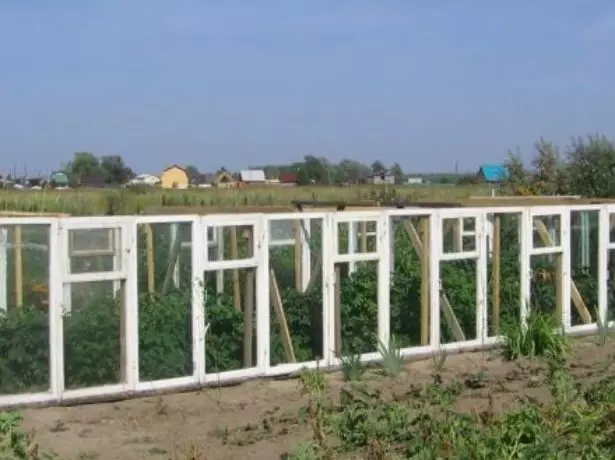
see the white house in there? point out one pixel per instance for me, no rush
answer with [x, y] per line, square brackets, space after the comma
[252, 176]
[145, 179]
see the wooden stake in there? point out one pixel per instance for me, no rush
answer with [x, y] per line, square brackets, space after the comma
[298, 255]
[18, 247]
[123, 334]
[173, 259]
[235, 256]
[496, 275]
[278, 308]
[151, 262]
[248, 313]
[338, 311]
[424, 256]
[363, 230]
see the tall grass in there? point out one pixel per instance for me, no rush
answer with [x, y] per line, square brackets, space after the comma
[134, 201]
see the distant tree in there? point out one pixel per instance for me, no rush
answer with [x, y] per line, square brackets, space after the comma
[398, 173]
[115, 171]
[466, 179]
[193, 172]
[378, 167]
[316, 169]
[355, 171]
[302, 176]
[590, 167]
[83, 167]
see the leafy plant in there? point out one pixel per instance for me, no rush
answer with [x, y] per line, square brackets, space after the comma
[14, 443]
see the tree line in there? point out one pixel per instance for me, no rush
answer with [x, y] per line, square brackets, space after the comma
[585, 167]
[87, 169]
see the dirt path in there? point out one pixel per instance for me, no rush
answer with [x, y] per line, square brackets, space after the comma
[259, 419]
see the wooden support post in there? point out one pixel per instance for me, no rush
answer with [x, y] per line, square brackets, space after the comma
[306, 253]
[457, 225]
[173, 259]
[4, 244]
[424, 256]
[248, 313]
[175, 236]
[278, 308]
[18, 248]
[151, 262]
[219, 256]
[298, 256]
[577, 299]
[338, 311]
[445, 305]
[353, 238]
[496, 274]
[235, 256]
[363, 227]
[123, 333]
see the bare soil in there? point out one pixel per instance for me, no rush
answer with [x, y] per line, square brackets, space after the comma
[260, 419]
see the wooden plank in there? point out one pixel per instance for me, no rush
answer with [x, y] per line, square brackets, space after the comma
[338, 311]
[235, 276]
[248, 314]
[496, 275]
[173, 258]
[278, 308]
[445, 305]
[298, 255]
[151, 262]
[124, 332]
[425, 281]
[18, 262]
[577, 299]
[363, 241]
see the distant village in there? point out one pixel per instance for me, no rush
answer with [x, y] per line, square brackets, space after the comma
[178, 177]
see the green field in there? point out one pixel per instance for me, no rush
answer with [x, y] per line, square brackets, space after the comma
[127, 201]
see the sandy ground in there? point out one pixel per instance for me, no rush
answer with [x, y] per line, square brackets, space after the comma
[260, 419]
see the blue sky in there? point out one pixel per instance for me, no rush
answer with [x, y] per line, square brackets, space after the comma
[212, 83]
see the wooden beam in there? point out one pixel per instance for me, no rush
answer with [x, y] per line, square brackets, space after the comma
[496, 274]
[298, 255]
[151, 262]
[18, 262]
[173, 259]
[363, 240]
[235, 256]
[338, 311]
[425, 281]
[248, 313]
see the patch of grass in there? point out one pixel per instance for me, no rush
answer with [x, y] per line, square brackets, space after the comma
[540, 338]
[352, 368]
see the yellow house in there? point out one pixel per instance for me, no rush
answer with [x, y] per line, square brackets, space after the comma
[175, 177]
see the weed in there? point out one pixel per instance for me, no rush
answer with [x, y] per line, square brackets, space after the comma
[14, 443]
[314, 385]
[392, 359]
[352, 368]
[605, 331]
[540, 338]
[439, 360]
